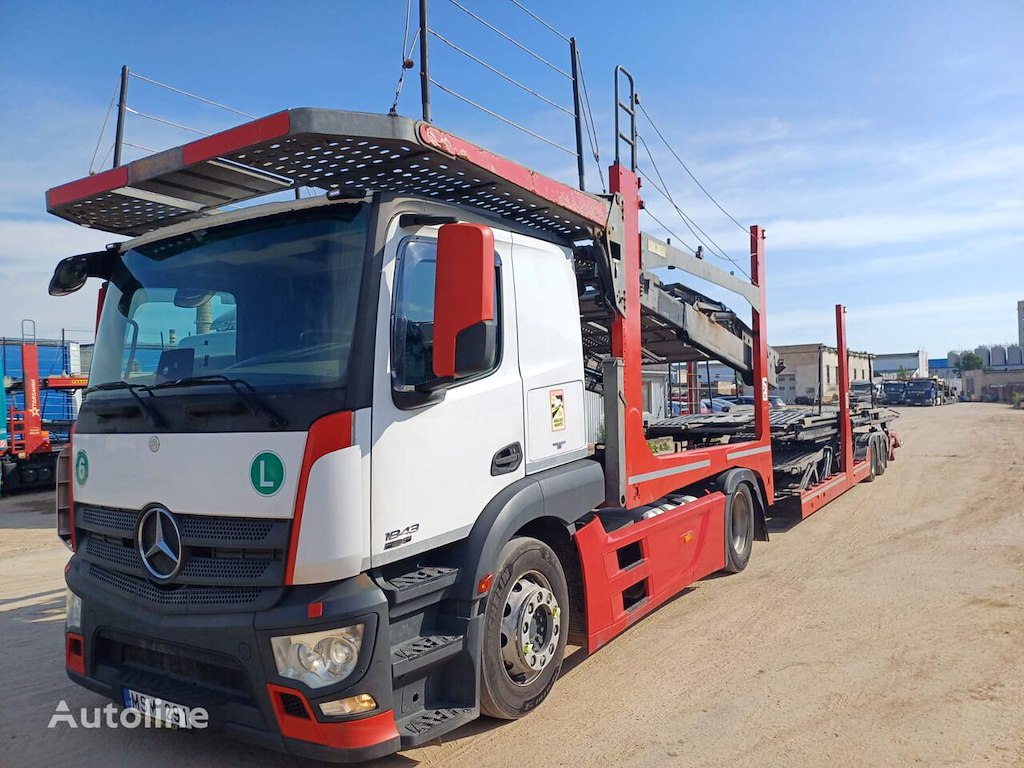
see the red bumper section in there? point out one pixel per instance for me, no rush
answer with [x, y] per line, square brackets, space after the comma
[296, 720]
[74, 653]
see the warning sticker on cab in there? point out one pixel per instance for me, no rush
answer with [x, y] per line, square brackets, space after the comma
[557, 410]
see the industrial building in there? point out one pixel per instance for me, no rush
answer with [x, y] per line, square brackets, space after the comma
[912, 365]
[811, 369]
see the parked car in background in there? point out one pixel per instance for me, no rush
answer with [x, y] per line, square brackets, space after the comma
[716, 405]
[776, 402]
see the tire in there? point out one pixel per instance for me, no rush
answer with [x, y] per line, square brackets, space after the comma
[882, 455]
[739, 528]
[529, 584]
[873, 466]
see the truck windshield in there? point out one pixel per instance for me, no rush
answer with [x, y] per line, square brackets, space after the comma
[894, 387]
[270, 302]
[920, 385]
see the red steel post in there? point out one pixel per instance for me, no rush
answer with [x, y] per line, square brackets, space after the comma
[845, 432]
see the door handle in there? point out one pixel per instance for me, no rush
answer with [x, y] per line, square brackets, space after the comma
[507, 460]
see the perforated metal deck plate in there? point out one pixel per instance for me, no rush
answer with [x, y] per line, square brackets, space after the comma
[324, 149]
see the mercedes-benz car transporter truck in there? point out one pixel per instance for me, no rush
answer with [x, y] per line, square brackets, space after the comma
[332, 484]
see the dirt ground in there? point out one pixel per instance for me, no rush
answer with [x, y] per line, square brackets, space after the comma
[885, 630]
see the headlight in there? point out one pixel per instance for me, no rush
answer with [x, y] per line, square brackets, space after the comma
[74, 606]
[318, 658]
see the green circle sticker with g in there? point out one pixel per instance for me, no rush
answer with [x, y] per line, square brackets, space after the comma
[81, 467]
[266, 473]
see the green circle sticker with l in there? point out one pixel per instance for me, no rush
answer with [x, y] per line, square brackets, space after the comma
[81, 467]
[266, 473]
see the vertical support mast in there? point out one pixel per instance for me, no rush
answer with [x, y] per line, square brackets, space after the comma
[845, 434]
[577, 111]
[122, 110]
[760, 340]
[424, 63]
[626, 342]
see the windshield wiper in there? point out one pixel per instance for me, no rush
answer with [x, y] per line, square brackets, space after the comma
[243, 389]
[153, 417]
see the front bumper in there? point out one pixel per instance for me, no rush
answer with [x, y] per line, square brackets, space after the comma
[223, 663]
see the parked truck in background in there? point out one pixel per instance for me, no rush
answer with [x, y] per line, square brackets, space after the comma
[928, 391]
[893, 392]
[367, 511]
[863, 392]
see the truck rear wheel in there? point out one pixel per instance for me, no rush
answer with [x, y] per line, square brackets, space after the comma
[739, 528]
[526, 623]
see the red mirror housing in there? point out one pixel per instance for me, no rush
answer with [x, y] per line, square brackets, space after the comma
[463, 296]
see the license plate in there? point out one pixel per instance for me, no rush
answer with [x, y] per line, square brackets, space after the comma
[167, 712]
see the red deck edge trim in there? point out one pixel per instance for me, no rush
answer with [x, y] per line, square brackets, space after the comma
[553, 191]
[353, 734]
[327, 434]
[264, 129]
[87, 187]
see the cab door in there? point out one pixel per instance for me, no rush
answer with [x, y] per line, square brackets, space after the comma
[436, 461]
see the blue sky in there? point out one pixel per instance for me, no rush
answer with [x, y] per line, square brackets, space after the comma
[880, 144]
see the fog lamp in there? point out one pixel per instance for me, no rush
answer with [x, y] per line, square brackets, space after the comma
[364, 702]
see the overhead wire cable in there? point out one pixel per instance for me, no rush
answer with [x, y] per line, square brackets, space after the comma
[537, 18]
[191, 95]
[692, 225]
[514, 42]
[405, 57]
[139, 146]
[713, 248]
[663, 189]
[501, 74]
[494, 114]
[595, 144]
[688, 171]
[171, 123]
[109, 151]
[99, 139]
[665, 227]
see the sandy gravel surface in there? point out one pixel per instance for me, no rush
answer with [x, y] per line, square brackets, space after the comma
[886, 630]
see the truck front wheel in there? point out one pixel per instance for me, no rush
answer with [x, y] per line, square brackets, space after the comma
[526, 623]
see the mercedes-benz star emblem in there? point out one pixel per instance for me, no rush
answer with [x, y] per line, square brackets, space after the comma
[154, 443]
[159, 542]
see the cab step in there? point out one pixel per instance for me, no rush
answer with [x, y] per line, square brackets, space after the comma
[428, 724]
[422, 581]
[422, 652]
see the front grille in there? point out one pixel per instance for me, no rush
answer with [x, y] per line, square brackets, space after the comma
[227, 529]
[185, 595]
[195, 569]
[95, 518]
[209, 670]
[225, 560]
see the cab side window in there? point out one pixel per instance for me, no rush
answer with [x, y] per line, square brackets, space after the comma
[412, 334]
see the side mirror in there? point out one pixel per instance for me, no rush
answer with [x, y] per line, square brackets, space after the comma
[72, 272]
[464, 329]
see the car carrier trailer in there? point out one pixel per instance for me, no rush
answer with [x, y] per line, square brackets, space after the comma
[29, 443]
[370, 512]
